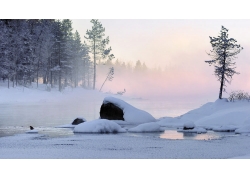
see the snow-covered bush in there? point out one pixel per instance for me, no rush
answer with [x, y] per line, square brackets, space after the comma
[238, 95]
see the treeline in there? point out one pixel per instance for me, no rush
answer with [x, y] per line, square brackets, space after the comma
[44, 50]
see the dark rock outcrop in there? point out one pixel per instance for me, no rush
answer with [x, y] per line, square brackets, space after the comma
[111, 112]
[31, 128]
[77, 121]
[187, 128]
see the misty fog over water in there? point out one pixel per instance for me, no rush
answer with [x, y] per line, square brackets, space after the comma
[54, 114]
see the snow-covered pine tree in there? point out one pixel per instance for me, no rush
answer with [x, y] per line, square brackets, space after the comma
[67, 51]
[80, 60]
[40, 31]
[77, 57]
[5, 65]
[55, 56]
[98, 44]
[85, 66]
[224, 52]
[45, 44]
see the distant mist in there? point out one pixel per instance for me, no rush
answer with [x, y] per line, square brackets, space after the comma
[173, 82]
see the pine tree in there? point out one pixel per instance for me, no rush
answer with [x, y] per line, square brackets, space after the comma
[224, 52]
[98, 43]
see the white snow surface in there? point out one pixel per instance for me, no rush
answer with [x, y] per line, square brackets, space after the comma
[218, 114]
[147, 127]
[120, 146]
[243, 129]
[214, 115]
[224, 128]
[33, 131]
[131, 114]
[99, 126]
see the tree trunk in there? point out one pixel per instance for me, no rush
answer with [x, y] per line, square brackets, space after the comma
[37, 75]
[84, 73]
[223, 76]
[94, 67]
[16, 80]
[60, 88]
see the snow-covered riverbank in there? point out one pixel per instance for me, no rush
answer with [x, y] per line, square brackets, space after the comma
[220, 114]
[216, 115]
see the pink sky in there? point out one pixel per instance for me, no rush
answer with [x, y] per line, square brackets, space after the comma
[179, 46]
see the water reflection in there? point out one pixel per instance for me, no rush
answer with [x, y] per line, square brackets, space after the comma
[173, 134]
[187, 134]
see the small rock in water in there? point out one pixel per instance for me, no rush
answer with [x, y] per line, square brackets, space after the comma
[78, 121]
[31, 128]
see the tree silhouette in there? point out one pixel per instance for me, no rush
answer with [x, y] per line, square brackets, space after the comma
[224, 52]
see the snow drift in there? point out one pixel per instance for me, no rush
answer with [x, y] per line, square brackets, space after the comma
[220, 115]
[99, 126]
[147, 127]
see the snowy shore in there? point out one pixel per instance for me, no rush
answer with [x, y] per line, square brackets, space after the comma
[214, 116]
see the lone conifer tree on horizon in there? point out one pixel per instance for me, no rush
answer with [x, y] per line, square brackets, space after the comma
[224, 52]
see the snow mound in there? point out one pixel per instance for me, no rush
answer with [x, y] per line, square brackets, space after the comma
[243, 129]
[197, 130]
[98, 126]
[33, 131]
[224, 129]
[147, 127]
[131, 114]
[221, 115]
[189, 124]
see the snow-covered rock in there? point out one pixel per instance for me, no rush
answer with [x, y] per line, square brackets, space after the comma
[188, 125]
[99, 126]
[197, 130]
[78, 120]
[243, 129]
[224, 128]
[131, 114]
[147, 127]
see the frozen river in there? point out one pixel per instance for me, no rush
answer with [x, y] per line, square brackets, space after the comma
[17, 117]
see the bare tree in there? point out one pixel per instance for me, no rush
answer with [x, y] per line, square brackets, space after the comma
[109, 76]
